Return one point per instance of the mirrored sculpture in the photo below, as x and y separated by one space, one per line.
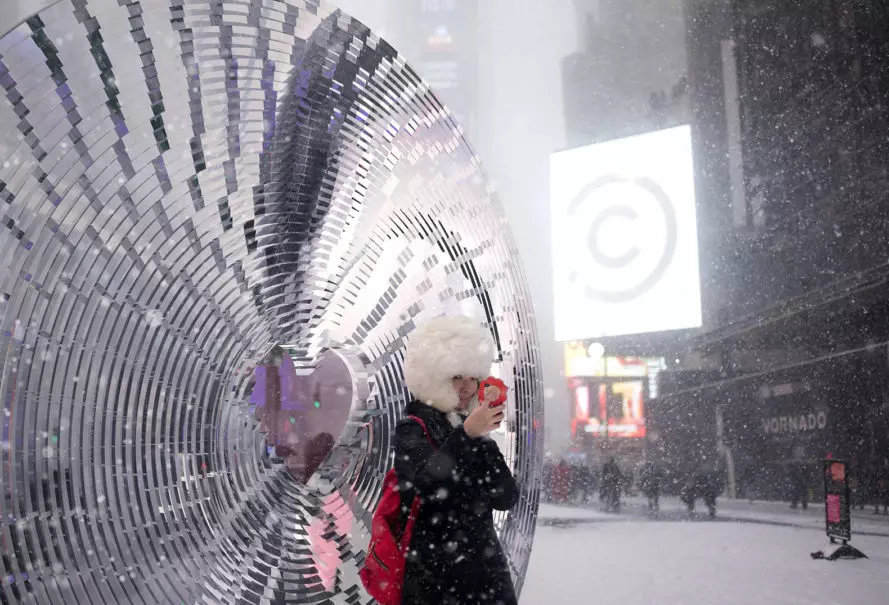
219 221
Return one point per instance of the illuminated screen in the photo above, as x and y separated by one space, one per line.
608 410
625 244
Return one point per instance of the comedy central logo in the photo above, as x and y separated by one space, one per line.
626 229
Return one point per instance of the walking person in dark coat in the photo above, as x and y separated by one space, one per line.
650 479
611 485
799 485
710 484
455 556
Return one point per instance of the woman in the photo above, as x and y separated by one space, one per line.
455 557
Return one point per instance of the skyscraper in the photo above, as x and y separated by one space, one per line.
628 76
440 38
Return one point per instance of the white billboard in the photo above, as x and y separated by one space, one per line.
625 241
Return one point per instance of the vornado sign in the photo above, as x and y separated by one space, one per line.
798 423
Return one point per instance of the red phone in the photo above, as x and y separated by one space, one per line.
490 381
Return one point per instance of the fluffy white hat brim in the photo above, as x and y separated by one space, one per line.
441 349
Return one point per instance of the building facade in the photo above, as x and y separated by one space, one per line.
792 124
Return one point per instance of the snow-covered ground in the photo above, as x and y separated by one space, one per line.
754 554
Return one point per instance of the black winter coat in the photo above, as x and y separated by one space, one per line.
455 557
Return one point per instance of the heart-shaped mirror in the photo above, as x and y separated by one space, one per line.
303 411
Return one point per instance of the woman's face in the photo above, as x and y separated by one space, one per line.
466 388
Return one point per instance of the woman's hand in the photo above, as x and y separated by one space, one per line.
483 419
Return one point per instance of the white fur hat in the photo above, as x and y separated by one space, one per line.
441 349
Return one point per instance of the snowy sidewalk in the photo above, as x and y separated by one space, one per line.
637 561
752 552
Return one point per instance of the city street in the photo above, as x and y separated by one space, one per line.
752 552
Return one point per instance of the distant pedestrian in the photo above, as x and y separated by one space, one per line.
583 482
705 482
611 485
711 483
561 482
799 485
650 480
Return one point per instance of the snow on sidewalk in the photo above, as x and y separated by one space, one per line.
636 562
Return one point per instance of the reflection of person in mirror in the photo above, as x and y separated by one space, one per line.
316 452
296 434
455 556
281 435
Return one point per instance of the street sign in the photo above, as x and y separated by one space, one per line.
837 515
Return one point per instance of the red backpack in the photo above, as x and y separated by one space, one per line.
383 571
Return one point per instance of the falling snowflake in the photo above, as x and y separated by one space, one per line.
154 318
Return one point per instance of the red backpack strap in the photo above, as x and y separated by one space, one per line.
422 424
415 505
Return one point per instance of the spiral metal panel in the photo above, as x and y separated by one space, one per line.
219 221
